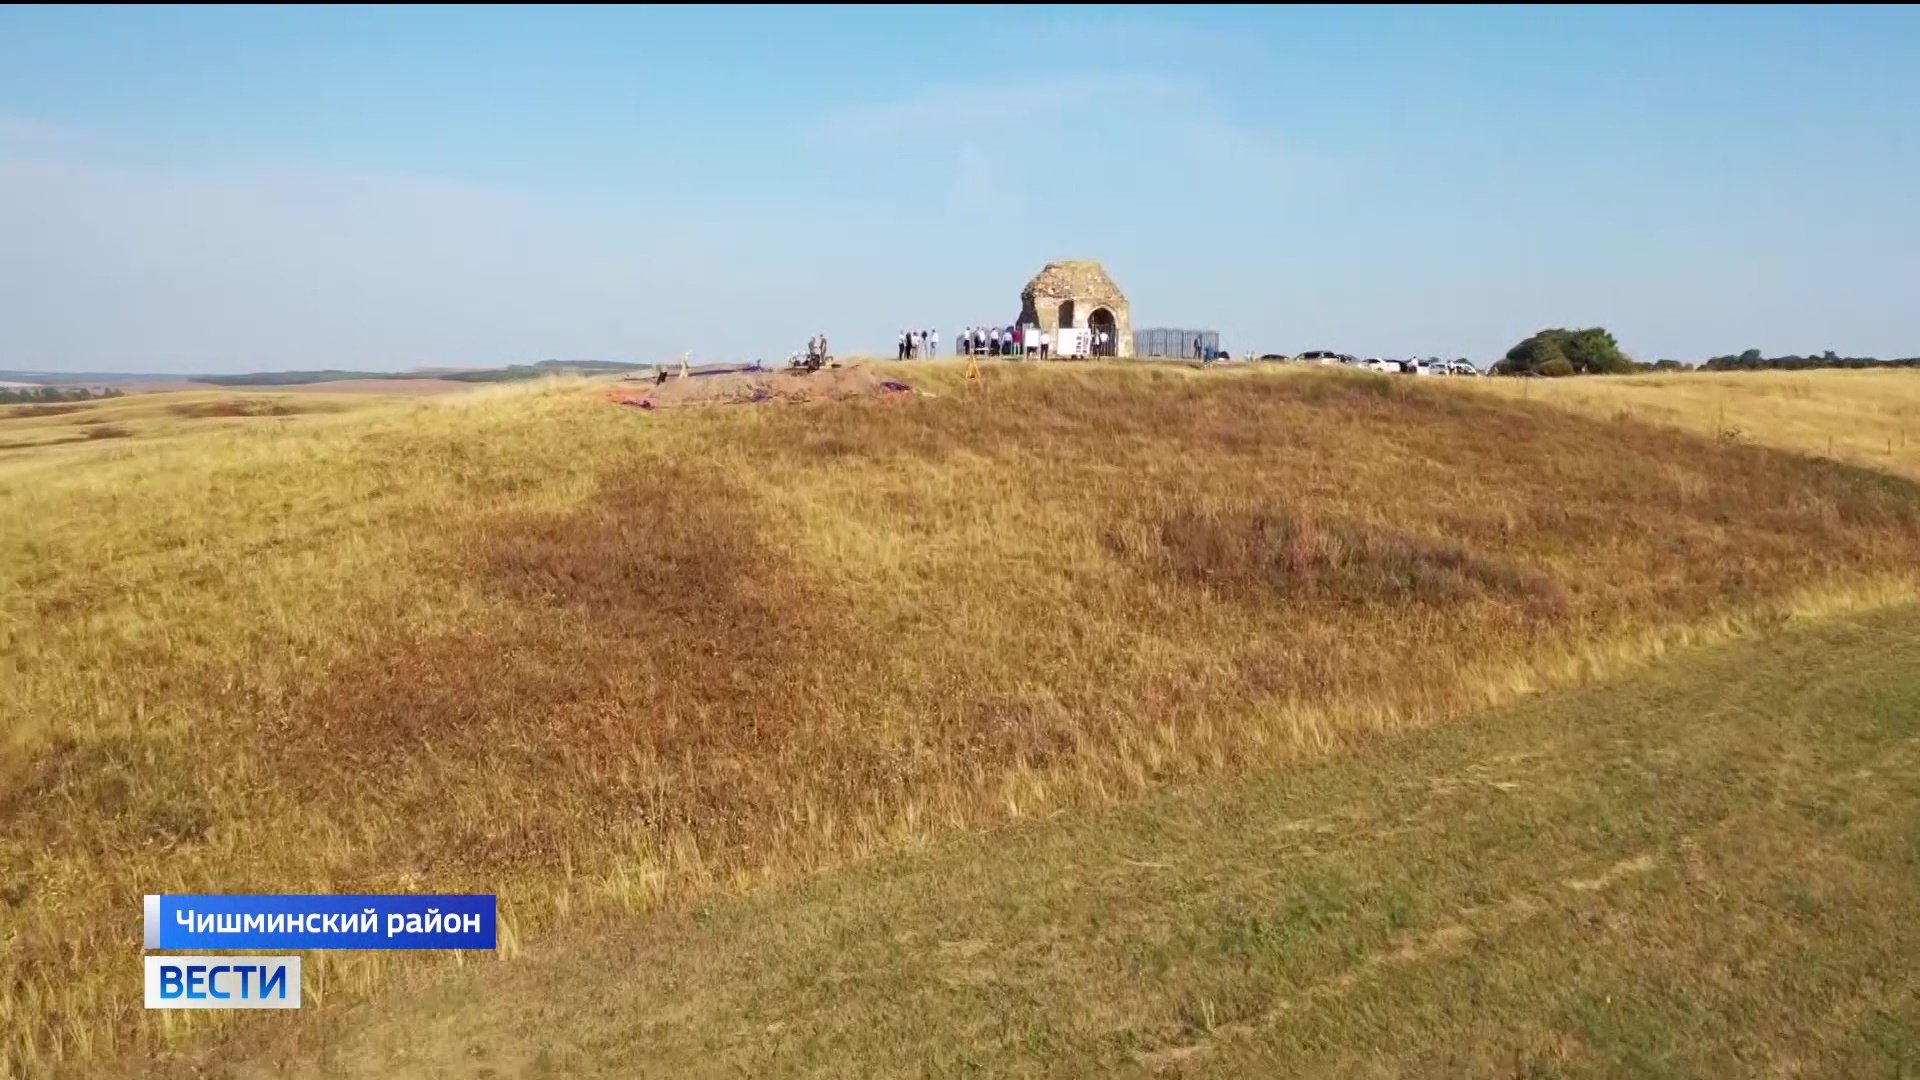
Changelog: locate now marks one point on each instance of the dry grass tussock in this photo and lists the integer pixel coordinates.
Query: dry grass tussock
(597, 660)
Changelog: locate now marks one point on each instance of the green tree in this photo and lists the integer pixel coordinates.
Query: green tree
(1540, 349)
(1592, 351)
(1555, 368)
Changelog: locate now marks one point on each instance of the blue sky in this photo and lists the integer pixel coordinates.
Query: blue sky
(220, 189)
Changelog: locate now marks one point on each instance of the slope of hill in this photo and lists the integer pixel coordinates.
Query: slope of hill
(1869, 418)
(1708, 869)
(602, 661)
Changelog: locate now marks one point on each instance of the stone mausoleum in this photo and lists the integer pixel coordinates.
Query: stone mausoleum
(1078, 293)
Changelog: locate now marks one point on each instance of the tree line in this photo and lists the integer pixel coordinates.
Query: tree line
(52, 395)
(1751, 360)
(1594, 351)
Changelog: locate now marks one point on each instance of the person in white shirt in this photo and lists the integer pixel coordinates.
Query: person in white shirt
(1046, 344)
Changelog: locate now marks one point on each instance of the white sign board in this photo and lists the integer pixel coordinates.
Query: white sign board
(1072, 341)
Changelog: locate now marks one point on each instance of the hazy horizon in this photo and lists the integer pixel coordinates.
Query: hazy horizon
(212, 190)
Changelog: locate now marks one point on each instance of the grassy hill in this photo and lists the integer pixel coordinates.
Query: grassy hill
(606, 662)
(1711, 868)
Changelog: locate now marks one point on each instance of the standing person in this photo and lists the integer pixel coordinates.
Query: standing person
(900, 351)
(993, 341)
(933, 344)
(1046, 343)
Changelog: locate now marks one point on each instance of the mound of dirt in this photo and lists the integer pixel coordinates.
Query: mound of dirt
(751, 387)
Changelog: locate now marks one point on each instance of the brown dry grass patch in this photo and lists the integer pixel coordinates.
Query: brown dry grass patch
(13, 412)
(234, 407)
(1279, 554)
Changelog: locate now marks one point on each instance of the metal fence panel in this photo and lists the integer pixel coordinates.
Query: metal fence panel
(1176, 343)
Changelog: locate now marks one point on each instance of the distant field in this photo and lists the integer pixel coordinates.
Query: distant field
(1709, 869)
(1870, 418)
(368, 386)
(164, 413)
(607, 662)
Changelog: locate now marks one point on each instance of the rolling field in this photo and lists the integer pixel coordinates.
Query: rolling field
(605, 662)
(1869, 418)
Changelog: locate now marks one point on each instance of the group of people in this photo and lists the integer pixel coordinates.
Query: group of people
(816, 356)
(997, 341)
(919, 344)
(1000, 341)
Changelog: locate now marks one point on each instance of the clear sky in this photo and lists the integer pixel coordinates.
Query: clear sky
(221, 189)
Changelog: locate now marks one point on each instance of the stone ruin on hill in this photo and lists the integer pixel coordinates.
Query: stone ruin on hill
(1078, 293)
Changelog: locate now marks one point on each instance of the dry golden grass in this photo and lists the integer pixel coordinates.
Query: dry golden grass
(524, 641)
(156, 414)
(1707, 868)
(1869, 418)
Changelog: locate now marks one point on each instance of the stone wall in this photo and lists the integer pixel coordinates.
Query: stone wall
(1088, 288)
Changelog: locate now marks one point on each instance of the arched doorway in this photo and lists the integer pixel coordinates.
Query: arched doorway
(1066, 314)
(1106, 339)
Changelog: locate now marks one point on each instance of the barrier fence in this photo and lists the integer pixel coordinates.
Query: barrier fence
(1177, 344)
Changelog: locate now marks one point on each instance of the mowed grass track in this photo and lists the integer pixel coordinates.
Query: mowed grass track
(601, 661)
(1709, 869)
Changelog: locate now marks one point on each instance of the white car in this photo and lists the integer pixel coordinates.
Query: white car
(1388, 366)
